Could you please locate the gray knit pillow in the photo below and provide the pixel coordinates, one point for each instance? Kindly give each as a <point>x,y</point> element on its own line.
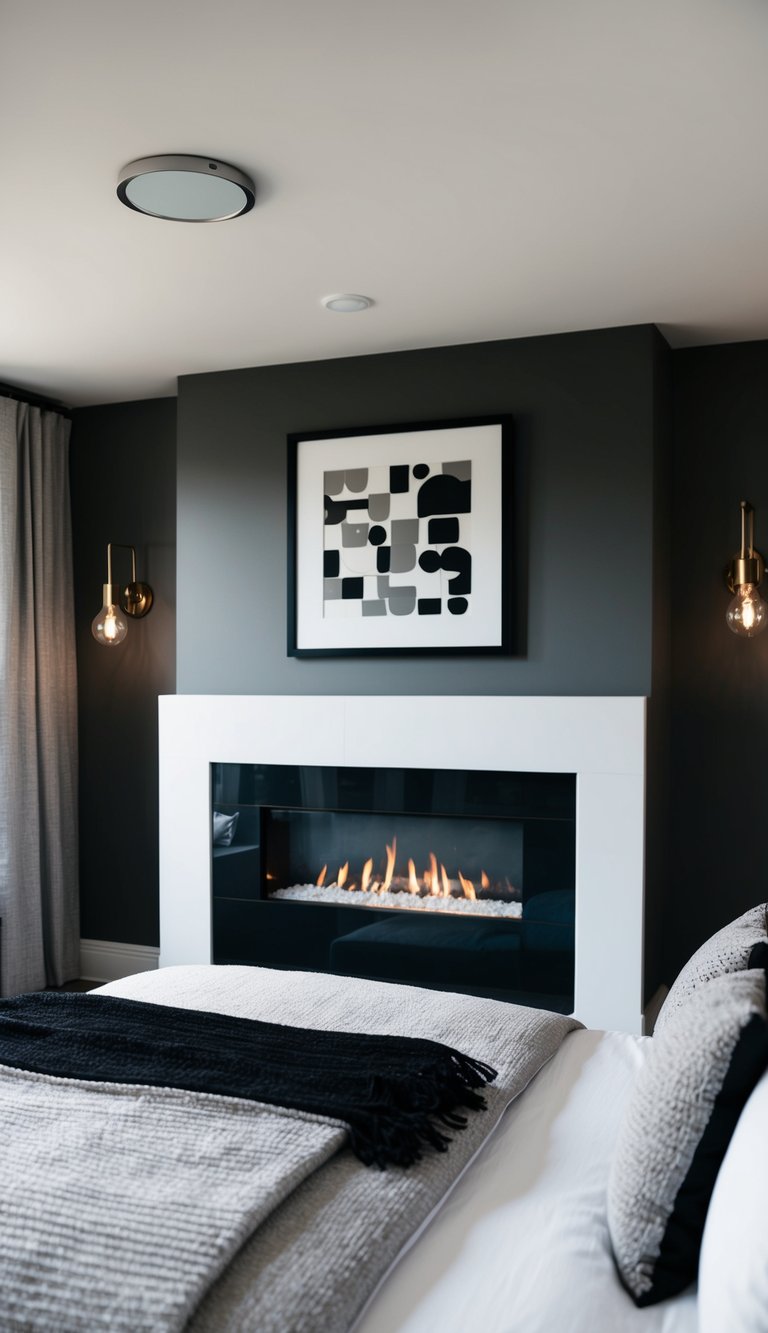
<point>681,1114</point>
<point>727,951</point>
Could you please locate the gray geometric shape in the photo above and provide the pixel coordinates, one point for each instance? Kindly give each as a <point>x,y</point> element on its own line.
<point>402,559</point>
<point>356,479</point>
<point>374,608</point>
<point>461,470</point>
<point>405,531</point>
<point>333,483</point>
<point>378,507</point>
<point>402,601</point>
<point>382,582</point>
<point>354,534</point>
<point>331,590</point>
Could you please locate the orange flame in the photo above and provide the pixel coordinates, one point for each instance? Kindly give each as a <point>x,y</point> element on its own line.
<point>341,878</point>
<point>485,883</point>
<point>434,883</point>
<point>446,883</point>
<point>320,881</point>
<point>413,883</point>
<point>468,887</point>
<point>391,854</point>
<point>366,876</point>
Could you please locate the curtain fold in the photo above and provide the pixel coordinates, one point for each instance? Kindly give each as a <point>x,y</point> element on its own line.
<point>39,941</point>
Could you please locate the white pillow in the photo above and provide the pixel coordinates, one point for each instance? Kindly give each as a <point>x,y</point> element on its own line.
<point>733,1272</point>
<point>224,828</point>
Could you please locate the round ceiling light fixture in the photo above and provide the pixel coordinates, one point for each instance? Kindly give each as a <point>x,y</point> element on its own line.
<point>183,188</point>
<point>346,303</point>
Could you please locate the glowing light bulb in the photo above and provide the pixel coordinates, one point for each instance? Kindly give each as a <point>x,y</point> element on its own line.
<point>109,626</point>
<point>747,613</point>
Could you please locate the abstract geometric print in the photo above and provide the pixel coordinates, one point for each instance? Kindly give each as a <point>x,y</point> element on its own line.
<point>397,540</point>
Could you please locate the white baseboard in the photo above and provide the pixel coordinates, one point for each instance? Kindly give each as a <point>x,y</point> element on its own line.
<point>103,960</point>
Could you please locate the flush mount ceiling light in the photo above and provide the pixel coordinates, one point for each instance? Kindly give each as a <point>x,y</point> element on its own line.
<point>182,188</point>
<point>346,303</point>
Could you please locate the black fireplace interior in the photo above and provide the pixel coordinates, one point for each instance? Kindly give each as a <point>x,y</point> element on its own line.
<point>456,880</point>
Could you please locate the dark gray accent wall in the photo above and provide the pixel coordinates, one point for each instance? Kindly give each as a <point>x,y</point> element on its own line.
<point>719,681</point>
<point>123,480</point>
<point>584,408</point>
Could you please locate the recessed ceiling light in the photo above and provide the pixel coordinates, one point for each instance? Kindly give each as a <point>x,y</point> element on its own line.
<point>346,303</point>
<point>182,188</point>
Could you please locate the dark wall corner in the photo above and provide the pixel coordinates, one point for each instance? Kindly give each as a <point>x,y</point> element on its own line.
<point>123,483</point>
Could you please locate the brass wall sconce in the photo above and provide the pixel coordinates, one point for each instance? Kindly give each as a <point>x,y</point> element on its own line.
<point>135,599</point>
<point>747,613</point>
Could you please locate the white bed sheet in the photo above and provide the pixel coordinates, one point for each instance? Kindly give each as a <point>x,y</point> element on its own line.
<point>521,1243</point>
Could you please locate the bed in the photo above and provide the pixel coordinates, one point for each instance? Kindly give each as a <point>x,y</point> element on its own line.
<point>508,1230</point>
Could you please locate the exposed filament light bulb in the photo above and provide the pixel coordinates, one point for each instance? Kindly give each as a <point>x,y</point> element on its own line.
<point>747,613</point>
<point>108,625</point>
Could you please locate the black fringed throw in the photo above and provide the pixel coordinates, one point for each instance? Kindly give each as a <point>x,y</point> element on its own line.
<point>393,1093</point>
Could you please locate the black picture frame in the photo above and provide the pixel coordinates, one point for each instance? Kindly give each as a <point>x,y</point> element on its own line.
<point>492,460</point>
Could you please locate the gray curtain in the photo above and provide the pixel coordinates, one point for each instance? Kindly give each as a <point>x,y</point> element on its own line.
<point>38,704</point>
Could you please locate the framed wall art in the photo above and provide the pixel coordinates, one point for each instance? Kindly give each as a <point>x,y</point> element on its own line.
<point>400,539</point>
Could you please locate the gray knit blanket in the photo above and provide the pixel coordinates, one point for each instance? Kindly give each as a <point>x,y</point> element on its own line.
<point>134,1208</point>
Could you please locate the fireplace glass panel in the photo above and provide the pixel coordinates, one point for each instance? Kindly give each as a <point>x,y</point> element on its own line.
<point>457,880</point>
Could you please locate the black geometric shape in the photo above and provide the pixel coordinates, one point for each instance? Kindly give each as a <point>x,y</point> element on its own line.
<point>351,590</point>
<point>377,535</point>
<point>457,605</point>
<point>443,530</point>
<point>336,510</point>
<point>399,481</point>
<point>382,559</point>
<point>421,470</point>
<point>331,564</point>
<point>430,562</point>
<point>442,494</point>
<point>456,558</point>
<point>429,606</point>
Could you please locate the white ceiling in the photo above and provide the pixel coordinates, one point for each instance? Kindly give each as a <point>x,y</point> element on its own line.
<point>481,168</point>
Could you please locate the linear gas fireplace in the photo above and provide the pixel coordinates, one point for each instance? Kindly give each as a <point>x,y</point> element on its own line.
<point>457,879</point>
<point>412,805</point>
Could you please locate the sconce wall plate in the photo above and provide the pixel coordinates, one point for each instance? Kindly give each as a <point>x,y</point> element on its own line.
<point>137,599</point>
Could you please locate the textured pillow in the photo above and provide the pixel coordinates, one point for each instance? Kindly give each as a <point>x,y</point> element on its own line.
<point>733,1274</point>
<point>727,951</point>
<point>224,828</point>
<point>682,1112</point>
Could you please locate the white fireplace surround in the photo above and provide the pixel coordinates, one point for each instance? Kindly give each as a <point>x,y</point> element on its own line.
<point>601,740</point>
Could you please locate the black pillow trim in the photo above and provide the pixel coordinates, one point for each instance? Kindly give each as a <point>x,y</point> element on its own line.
<point>677,1264</point>
<point>759,956</point>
